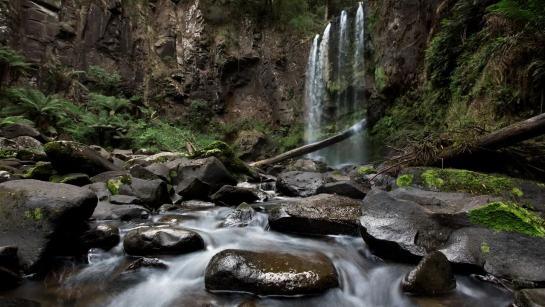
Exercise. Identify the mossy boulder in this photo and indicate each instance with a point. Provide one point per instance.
(227, 156)
(40, 171)
(71, 157)
(478, 231)
(43, 219)
(526, 193)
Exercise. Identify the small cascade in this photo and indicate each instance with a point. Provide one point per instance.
(334, 87)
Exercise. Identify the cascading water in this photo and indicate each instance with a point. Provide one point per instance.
(334, 87)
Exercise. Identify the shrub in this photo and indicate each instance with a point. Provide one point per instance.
(103, 81)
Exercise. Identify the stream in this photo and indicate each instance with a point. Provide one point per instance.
(365, 280)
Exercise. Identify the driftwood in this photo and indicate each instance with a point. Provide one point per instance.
(306, 149)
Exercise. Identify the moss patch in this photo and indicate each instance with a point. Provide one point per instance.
(405, 180)
(485, 248)
(36, 214)
(115, 184)
(366, 170)
(507, 216)
(40, 171)
(456, 180)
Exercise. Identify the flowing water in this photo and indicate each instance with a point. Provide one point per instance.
(364, 279)
(334, 88)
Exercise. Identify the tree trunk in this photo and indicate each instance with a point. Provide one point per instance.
(507, 136)
(306, 149)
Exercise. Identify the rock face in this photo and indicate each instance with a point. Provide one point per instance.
(343, 188)
(147, 241)
(152, 193)
(299, 183)
(70, 157)
(432, 276)
(37, 215)
(405, 223)
(320, 214)
(254, 74)
(198, 179)
(233, 196)
(270, 273)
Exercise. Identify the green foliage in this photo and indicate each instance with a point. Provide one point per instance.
(99, 103)
(19, 119)
(485, 248)
(199, 115)
(404, 180)
(103, 81)
(115, 184)
(366, 170)
(530, 12)
(226, 155)
(510, 217)
(35, 105)
(13, 63)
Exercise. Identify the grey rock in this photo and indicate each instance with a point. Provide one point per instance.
(70, 157)
(157, 240)
(432, 276)
(299, 183)
(270, 273)
(322, 214)
(530, 298)
(233, 196)
(344, 188)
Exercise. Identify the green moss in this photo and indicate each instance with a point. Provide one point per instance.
(517, 192)
(380, 78)
(456, 180)
(431, 179)
(36, 214)
(70, 178)
(41, 171)
(7, 153)
(405, 180)
(510, 217)
(485, 248)
(115, 184)
(366, 170)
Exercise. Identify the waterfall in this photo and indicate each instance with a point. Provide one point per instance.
(334, 85)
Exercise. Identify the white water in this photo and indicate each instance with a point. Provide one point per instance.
(334, 89)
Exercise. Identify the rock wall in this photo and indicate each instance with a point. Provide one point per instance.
(169, 52)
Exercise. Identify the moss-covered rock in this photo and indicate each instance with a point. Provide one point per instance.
(72, 157)
(508, 216)
(526, 193)
(115, 184)
(73, 179)
(227, 156)
(40, 171)
(366, 170)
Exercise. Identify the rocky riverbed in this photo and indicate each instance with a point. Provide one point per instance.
(85, 226)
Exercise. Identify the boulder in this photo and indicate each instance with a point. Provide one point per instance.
(23, 148)
(40, 171)
(198, 179)
(250, 144)
(125, 200)
(104, 236)
(152, 193)
(307, 165)
(36, 215)
(16, 130)
(151, 172)
(5, 176)
(78, 179)
(158, 240)
(344, 188)
(105, 176)
(70, 157)
(108, 211)
(242, 216)
(100, 189)
(270, 273)
(322, 214)
(229, 195)
(405, 223)
(432, 276)
(530, 298)
(299, 183)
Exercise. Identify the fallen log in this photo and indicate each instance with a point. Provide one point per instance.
(510, 135)
(306, 149)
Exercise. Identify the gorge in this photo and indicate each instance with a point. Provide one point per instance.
(272, 153)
